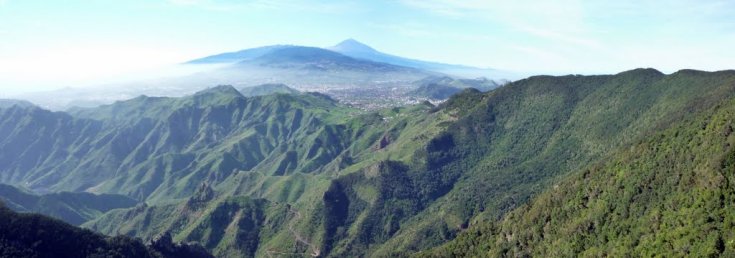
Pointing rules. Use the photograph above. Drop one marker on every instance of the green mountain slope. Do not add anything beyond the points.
(159, 148)
(668, 194)
(307, 175)
(73, 208)
(285, 208)
(32, 235)
(230, 227)
(508, 145)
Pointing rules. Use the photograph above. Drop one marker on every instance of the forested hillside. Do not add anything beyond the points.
(514, 142)
(668, 194)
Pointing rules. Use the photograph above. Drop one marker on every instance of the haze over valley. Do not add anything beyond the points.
(350, 71)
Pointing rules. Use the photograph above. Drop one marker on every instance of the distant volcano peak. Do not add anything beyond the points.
(352, 45)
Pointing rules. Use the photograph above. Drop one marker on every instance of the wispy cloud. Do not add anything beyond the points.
(187, 2)
(213, 5)
(291, 5)
(408, 29)
(558, 21)
(577, 33)
(437, 7)
(574, 21)
(557, 36)
(542, 55)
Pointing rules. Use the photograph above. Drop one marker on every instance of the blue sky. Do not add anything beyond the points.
(51, 44)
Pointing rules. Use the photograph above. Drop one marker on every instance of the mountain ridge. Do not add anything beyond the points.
(164, 133)
(355, 49)
(506, 145)
(317, 59)
(232, 57)
(351, 183)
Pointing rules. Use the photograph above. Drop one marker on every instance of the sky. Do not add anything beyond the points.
(49, 44)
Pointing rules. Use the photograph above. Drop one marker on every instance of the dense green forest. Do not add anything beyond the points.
(668, 194)
(548, 165)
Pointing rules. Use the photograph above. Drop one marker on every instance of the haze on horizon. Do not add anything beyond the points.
(54, 44)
